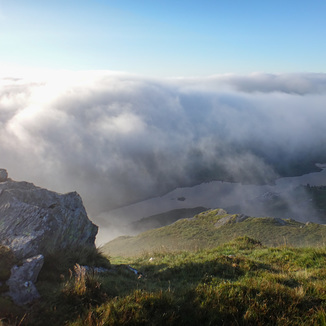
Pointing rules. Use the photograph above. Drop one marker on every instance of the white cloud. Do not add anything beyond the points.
(118, 138)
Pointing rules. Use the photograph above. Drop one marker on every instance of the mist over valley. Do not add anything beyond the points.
(119, 139)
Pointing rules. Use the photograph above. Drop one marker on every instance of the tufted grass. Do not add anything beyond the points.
(59, 285)
(194, 272)
(241, 282)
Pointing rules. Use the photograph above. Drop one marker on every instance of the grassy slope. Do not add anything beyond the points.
(214, 282)
(201, 232)
(238, 283)
(163, 219)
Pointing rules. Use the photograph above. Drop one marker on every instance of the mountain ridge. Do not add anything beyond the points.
(215, 227)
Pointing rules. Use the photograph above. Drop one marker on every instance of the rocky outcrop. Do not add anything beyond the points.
(238, 218)
(21, 283)
(36, 221)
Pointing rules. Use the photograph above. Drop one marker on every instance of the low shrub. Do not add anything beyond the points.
(7, 259)
(57, 264)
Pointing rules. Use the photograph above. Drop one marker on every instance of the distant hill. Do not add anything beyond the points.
(163, 219)
(302, 203)
(215, 227)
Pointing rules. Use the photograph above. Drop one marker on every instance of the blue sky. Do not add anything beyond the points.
(165, 38)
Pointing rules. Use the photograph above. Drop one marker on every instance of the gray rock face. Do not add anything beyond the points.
(37, 221)
(230, 219)
(21, 283)
(223, 221)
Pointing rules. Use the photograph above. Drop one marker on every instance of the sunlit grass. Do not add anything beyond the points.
(238, 283)
(205, 231)
(243, 281)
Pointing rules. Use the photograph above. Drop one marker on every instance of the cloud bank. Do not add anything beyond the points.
(117, 138)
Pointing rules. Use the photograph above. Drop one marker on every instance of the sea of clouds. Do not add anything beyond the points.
(117, 138)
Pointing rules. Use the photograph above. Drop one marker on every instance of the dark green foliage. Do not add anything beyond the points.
(67, 289)
(57, 264)
(10, 314)
(8, 311)
(7, 260)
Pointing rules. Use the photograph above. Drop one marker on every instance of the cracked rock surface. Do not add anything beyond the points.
(35, 221)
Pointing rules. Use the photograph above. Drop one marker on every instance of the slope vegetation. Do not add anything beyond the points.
(238, 283)
(215, 227)
(163, 219)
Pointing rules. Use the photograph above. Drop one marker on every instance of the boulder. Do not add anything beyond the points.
(224, 220)
(38, 221)
(35, 222)
(238, 218)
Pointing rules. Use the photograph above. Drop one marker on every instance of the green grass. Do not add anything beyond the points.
(57, 285)
(203, 231)
(241, 282)
(197, 271)
(238, 283)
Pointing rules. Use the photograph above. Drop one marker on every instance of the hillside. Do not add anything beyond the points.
(215, 227)
(163, 219)
(238, 283)
(216, 281)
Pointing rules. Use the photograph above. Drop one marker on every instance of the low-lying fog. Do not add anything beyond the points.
(118, 139)
(215, 194)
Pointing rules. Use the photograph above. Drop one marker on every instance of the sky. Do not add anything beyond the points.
(164, 38)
